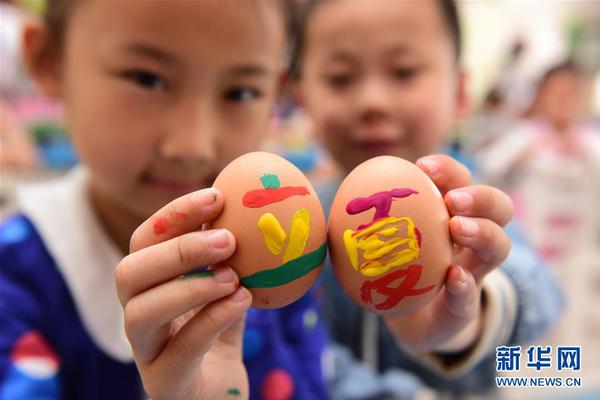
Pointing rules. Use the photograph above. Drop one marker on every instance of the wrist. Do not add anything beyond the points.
(464, 339)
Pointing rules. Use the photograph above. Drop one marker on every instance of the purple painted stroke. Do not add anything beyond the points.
(381, 201)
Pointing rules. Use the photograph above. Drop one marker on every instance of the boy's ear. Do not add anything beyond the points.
(41, 57)
(463, 100)
(283, 80)
(289, 87)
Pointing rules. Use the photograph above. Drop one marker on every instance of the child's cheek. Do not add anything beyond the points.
(429, 122)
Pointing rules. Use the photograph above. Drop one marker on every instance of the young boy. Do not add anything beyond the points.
(384, 78)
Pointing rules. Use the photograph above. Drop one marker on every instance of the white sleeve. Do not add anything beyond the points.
(497, 160)
(499, 311)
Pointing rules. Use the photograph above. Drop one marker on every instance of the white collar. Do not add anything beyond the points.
(85, 256)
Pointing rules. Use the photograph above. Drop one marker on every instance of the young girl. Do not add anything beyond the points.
(550, 164)
(159, 97)
(384, 78)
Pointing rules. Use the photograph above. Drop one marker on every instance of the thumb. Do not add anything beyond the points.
(462, 295)
(232, 337)
(457, 311)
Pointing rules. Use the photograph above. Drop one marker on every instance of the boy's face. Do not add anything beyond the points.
(160, 96)
(380, 78)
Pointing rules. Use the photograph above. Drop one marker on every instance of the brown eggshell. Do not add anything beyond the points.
(241, 217)
(388, 290)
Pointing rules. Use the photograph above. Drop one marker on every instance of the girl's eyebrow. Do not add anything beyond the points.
(244, 70)
(151, 52)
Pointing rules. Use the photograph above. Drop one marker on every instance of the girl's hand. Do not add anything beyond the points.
(185, 332)
(451, 321)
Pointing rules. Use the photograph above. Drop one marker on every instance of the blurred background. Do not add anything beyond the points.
(533, 129)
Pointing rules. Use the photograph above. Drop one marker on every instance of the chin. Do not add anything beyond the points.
(145, 205)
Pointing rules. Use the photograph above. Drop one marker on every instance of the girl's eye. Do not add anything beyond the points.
(241, 94)
(146, 79)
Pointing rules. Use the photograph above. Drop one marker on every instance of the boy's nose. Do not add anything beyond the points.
(191, 135)
(373, 101)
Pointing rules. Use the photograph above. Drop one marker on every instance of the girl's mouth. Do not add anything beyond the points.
(172, 186)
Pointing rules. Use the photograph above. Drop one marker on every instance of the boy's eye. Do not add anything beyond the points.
(146, 79)
(241, 94)
(338, 81)
(405, 73)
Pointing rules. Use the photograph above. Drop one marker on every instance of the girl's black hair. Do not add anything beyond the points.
(57, 13)
(566, 66)
(448, 8)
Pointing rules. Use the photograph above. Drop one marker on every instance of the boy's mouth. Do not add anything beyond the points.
(376, 146)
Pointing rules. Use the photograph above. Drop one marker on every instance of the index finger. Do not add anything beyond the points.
(446, 172)
(182, 215)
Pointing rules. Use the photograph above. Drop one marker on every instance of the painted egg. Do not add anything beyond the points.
(389, 236)
(278, 222)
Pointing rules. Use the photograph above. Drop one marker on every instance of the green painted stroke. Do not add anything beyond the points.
(270, 181)
(288, 272)
(200, 274)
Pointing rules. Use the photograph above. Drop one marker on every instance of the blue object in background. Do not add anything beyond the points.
(305, 158)
(58, 153)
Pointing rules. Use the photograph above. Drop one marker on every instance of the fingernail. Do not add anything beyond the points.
(463, 278)
(218, 239)
(239, 296)
(207, 197)
(468, 227)
(223, 275)
(461, 201)
(432, 166)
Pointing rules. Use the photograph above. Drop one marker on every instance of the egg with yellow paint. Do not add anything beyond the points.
(389, 237)
(278, 222)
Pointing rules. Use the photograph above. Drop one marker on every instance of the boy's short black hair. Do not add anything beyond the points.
(448, 8)
(450, 14)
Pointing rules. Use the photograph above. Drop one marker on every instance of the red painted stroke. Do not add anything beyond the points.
(262, 197)
(394, 295)
(419, 237)
(160, 226)
(181, 215)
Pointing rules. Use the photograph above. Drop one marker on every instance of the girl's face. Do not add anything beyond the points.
(160, 96)
(380, 78)
(561, 99)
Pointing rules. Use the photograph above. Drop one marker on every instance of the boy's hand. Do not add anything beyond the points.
(186, 333)
(451, 321)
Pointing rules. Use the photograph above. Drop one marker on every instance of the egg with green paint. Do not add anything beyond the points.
(388, 235)
(278, 222)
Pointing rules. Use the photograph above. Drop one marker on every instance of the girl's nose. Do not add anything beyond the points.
(191, 135)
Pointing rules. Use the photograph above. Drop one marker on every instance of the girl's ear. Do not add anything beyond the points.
(41, 57)
(463, 100)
